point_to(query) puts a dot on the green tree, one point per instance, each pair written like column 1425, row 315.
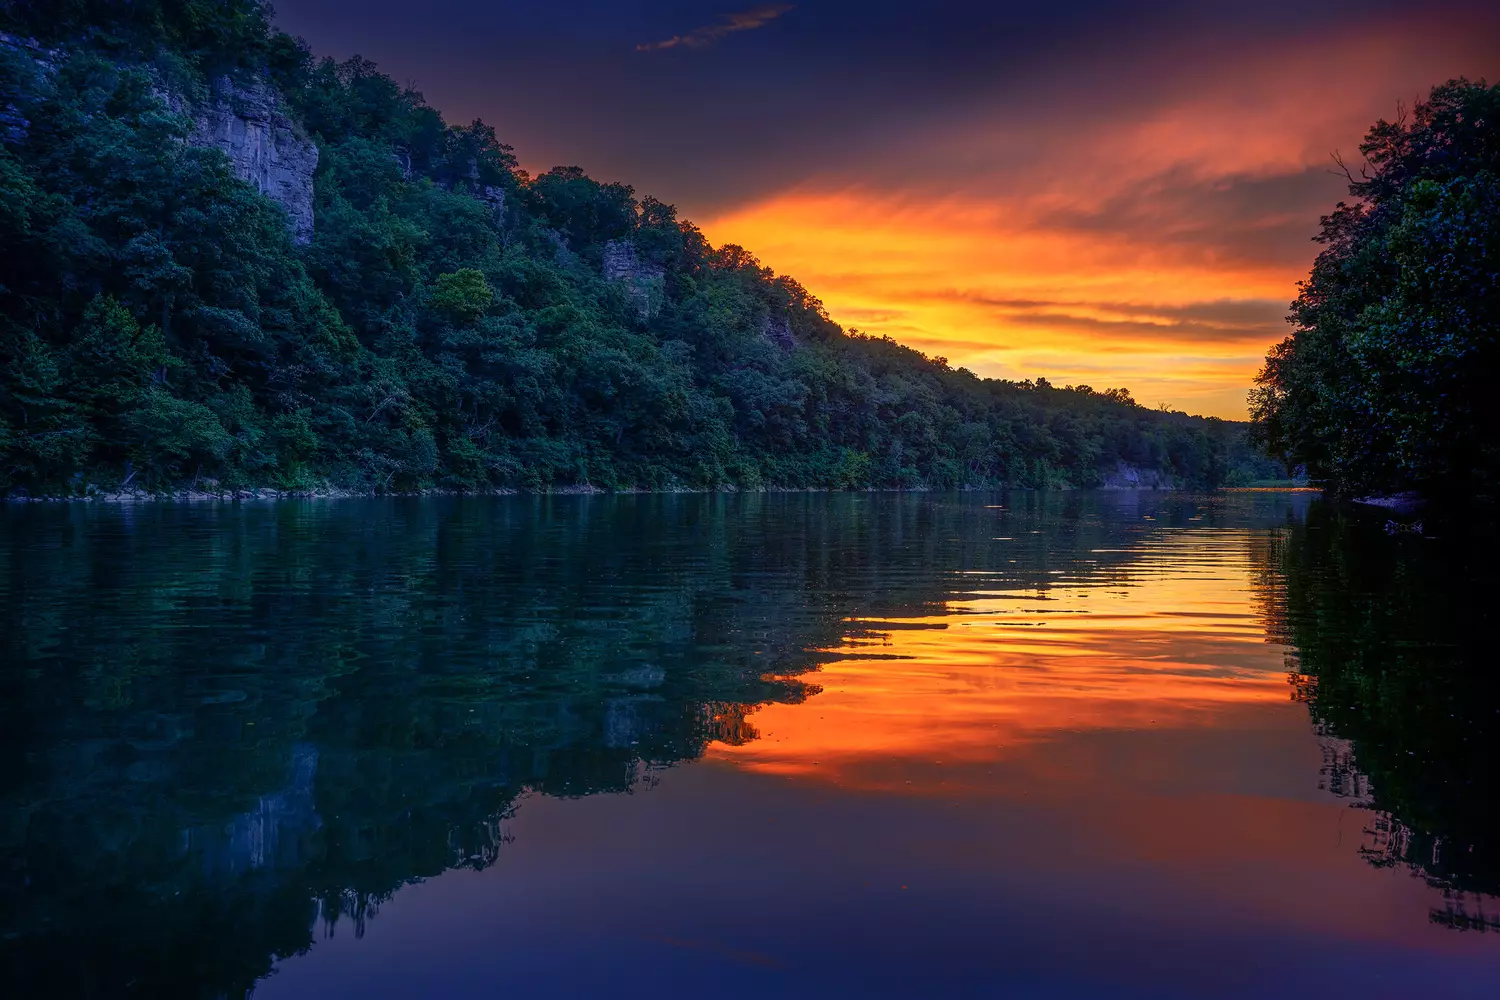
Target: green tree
column 462, row 296
column 1386, row 383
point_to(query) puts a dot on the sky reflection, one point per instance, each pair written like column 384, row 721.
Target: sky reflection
column 1166, row 642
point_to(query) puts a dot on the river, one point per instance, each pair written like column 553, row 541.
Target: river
column 1017, row 744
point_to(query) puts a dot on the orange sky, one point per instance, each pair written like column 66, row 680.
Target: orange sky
column 1156, row 249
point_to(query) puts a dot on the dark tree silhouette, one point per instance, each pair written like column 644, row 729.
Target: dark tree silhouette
column 1388, row 382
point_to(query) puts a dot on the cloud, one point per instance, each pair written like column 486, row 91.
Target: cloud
column 1224, row 321
column 993, row 282
column 745, row 20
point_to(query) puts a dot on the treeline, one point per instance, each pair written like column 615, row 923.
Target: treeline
column 450, row 325
column 1388, row 382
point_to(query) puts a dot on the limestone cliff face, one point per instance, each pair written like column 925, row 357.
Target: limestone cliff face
column 245, row 120
column 644, row 281
column 1129, row 477
column 265, row 147
column 778, row 330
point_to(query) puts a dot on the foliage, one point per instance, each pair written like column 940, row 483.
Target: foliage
column 1386, row 383
column 1393, row 655
column 449, row 326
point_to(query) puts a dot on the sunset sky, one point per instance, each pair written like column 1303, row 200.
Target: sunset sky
column 1117, row 194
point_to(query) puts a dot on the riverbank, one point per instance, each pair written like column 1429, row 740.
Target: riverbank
column 270, row 494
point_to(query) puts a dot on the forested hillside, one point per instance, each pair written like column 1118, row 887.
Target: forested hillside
column 443, row 320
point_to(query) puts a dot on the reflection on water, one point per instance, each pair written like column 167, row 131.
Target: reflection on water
column 1394, row 658
column 941, row 743
column 1167, row 640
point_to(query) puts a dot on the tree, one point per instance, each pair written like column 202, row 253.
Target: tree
column 1387, row 383
column 463, row 296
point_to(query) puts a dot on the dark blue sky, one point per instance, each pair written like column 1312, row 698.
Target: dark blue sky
column 827, row 82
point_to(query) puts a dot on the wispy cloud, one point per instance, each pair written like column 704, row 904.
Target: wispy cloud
column 745, row 20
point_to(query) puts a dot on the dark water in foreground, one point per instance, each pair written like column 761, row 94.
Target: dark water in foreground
column 1029, row 745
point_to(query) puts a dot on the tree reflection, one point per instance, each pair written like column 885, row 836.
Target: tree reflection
column 1394, row 658
column 228, row 730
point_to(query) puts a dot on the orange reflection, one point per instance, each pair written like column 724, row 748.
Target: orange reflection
column 1176, row 644
column 1142, row 720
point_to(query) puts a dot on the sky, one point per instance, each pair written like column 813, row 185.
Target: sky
column 1111, row 194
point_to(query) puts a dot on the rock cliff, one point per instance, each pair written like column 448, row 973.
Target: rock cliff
column 245, row 120
column 778, row 330
column 644, row 281
column 1129, row 477
column 265, row 147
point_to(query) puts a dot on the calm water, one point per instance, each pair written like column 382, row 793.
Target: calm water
column 1012, row 745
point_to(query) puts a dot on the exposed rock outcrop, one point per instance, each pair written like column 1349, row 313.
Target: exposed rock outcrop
column 1128, row 477
column 46, row 59
column 644, row 281
column 244, row 119
column 265, row 147
column 494, row 197
column 14, row 126
column 778, row 330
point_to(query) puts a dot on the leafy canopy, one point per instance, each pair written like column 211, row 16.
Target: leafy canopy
column 1388, row 381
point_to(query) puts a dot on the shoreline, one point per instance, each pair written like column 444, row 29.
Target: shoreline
column 267, row 494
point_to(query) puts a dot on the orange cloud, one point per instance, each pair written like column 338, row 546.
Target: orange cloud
column 1157, row 250
column 997, row 292
column 746, row 20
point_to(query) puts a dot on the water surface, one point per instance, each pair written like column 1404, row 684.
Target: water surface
column 1024, row 744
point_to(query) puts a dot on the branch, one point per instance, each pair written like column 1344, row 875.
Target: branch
column 1343, row 168
column 383, row 404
